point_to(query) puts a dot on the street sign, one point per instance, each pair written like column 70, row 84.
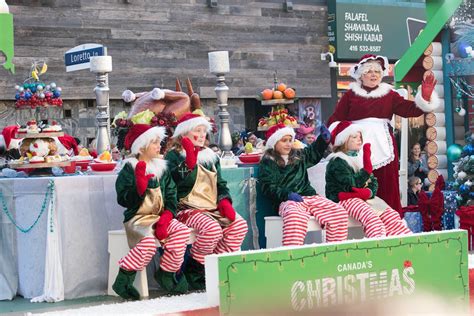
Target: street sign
column 78, row 57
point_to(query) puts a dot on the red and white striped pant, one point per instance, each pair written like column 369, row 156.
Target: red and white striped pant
column 174, row 248
column 296, row 216
column 211, row 237
column 388, row 223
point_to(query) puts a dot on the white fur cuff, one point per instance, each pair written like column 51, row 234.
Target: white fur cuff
column 157, row 94
column 128, row 96
column 426, row 106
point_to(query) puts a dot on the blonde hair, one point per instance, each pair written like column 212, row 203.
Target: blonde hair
column 344, row 147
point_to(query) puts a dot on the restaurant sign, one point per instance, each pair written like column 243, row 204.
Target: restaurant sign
column 355, row 29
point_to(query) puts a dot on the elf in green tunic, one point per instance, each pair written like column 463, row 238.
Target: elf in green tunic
column 204, row 201
column 147, row 191
column 284, row 179
column 350, row 181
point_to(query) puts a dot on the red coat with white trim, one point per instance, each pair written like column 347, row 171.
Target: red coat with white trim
column 382, row 103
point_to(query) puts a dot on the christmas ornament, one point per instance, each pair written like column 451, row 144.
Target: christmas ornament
column 454, row 152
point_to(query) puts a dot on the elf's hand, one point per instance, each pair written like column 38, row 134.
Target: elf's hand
column 191, row 153
column 292, row 196
column 226, row 209
column 427, row 87
column 161, row 227
column 141, row 179
column 366, row 158
column 362, row 193
column 325, row 133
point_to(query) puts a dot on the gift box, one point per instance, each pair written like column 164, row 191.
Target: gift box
column 414, row 221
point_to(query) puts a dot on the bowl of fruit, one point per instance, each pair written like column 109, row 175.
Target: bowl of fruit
column 252, row 158
column 103, row 163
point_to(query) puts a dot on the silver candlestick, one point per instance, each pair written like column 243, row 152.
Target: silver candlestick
column 101, row 66
column 219, row 66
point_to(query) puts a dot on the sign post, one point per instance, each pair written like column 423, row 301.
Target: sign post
column 78, row 57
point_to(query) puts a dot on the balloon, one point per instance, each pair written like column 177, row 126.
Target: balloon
column 462, row 49
column 454, row 152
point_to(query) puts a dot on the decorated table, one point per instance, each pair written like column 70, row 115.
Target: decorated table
column 53, row 232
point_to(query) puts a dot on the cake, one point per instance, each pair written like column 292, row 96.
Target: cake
column 53, row 128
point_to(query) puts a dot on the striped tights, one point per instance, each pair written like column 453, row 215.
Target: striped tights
column 174, row 248
column 388, row 223
column 211, row 237
column 296, row 216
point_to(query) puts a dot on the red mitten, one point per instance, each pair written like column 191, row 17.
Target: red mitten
column 226, row 209
column 427, row 86
column 346, row 195
column 366, row 158
column 191, row 152
column 161, row 227
column 362, row 193
column 141, row 178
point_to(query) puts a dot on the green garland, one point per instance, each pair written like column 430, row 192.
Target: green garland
column 48, row 197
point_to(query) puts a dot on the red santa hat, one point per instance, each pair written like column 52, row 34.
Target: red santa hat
column 356, row 70
column 277, row 132
column 69, row 143
column 340, row 132
column 8, row 133
column 188, row 122
column 141, row 135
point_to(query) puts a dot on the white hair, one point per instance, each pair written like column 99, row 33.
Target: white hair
column 369, row 65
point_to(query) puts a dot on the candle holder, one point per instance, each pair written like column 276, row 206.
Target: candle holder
column 101, row 66
column 219, row 66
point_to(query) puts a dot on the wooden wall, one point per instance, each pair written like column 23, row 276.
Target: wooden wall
column 154, row 41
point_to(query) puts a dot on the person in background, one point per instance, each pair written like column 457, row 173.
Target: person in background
column 237, row 143
column 417, row 163
column 305, row 134
column 414, row 187
column 257, row 143
column 116, row 154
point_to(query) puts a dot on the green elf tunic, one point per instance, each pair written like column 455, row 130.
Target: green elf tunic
column 277, row 182
column 344, row 172
column 201, row 188
column 142, row 212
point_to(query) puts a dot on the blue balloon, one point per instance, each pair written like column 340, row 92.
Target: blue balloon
column 454, row 152
column 17, row 96
column 57, row 94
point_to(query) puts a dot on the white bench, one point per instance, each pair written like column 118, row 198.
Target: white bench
column 274, row 229
column 118, row 248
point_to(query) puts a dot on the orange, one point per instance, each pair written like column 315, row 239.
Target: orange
column 281, row 87
column 289, row 93
column 277, row 94
column 267, row 94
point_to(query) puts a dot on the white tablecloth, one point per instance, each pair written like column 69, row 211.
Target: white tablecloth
column 86, row 208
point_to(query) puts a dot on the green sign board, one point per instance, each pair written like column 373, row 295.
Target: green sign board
column 300, row 279
column 355, row 29
column 6, row 40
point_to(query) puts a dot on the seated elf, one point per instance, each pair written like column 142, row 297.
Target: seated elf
column 283, row 177
column 204, row 201
column 351, row 182
column 147, row 191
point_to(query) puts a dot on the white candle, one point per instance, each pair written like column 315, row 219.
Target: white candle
column 219, row 62
column 101, row 64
